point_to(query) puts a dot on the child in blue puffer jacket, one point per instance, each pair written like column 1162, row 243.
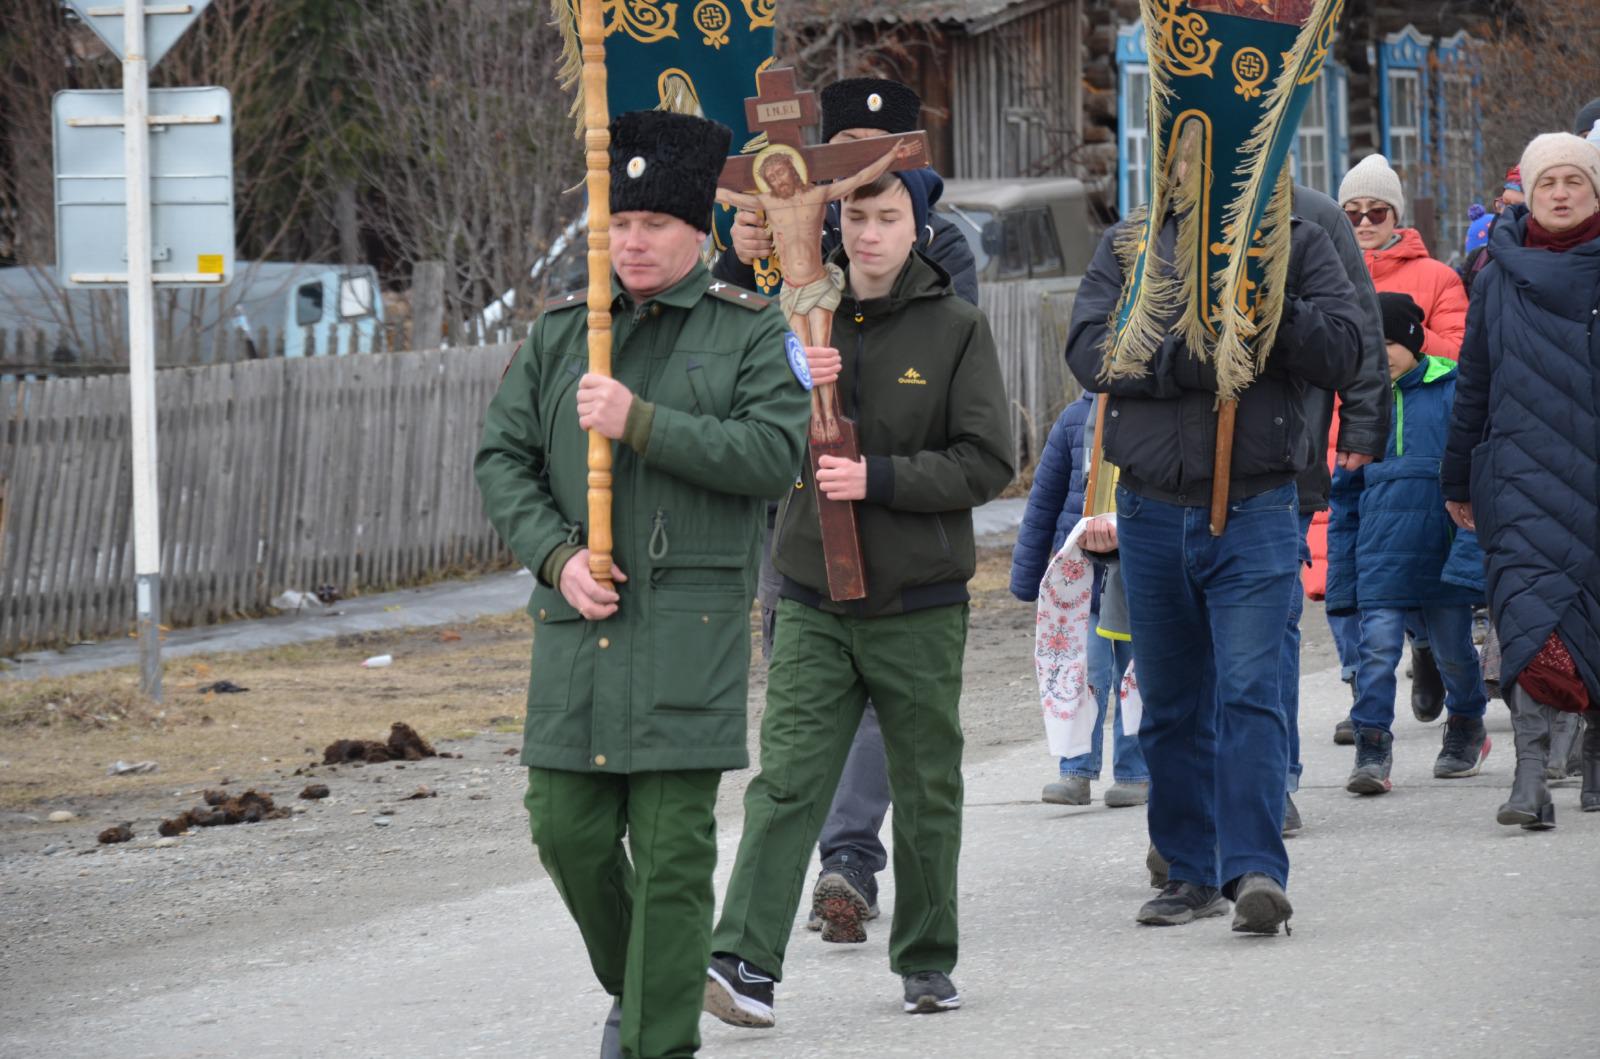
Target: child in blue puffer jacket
column 1055, row 503
column 1392, row 549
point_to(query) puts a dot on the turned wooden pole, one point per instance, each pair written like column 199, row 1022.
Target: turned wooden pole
column 597, row 143
column 1222, row 469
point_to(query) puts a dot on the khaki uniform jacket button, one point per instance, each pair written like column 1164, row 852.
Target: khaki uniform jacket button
column 541, row 614
column 604, row 643
column 600, row 760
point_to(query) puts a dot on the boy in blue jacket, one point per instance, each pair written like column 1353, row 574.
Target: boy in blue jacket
column 1389, row 542
column 1055, row 503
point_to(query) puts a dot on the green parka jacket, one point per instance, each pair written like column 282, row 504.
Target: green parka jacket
column 717, row 428
column 921, row 378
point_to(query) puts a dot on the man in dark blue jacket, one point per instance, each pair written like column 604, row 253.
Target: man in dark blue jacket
column 1209, row 613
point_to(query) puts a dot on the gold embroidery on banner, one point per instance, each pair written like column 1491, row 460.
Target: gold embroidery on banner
column 761, row 12
column 1322, row 45
column 643, row 20
column 1180, row 43
column 1250, row 70
column 677, row 92
column 712, row 18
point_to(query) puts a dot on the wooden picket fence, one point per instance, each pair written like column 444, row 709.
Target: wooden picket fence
column 350, row 471
column 1030, row 321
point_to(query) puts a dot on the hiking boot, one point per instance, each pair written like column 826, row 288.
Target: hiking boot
column 1068, row 790
column 1427, row 686
column 1260, row 906
column 1466, row 744
column 1158, row 867
column 1291, row 817
column 1126, row 795
column 1344, row 733
column 1182, row 902
column 738, row 993
column 611, row 1036
column 930, row 992
column 844, row 898
column 1374, row 758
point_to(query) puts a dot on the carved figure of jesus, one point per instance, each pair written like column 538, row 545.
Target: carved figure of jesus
column 795, row 209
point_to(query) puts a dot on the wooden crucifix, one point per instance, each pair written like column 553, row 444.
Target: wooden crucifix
column 788, row 182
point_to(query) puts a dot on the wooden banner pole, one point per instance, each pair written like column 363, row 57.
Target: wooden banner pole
column 597, row 143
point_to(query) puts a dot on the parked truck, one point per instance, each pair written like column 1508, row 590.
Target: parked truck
column 270, row 308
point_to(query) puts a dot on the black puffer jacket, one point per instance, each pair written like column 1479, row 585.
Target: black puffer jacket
column 1161, row 428
column 942, row 243
column 1364, row 405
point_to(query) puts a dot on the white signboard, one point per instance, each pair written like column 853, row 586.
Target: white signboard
column 163, row 23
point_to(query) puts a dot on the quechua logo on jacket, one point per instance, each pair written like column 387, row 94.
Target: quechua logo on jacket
column 913, row 377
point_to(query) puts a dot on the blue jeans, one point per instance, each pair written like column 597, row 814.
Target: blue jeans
column 1209, row 615
column 1347, row 639
column 1383, row 634
column 1289, row 675
column 1108, row 661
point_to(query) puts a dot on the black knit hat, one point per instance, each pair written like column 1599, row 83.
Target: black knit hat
column 1586, row 117
column 667, row 163
column 869, row 103
column 1402, row 320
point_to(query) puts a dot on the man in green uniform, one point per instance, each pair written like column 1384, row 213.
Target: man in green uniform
column 637, row 699
column 920, row 374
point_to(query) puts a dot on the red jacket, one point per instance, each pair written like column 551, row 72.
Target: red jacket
column 1406, row 268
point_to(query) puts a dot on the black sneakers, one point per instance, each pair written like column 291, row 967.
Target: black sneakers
column 843, row 899
column 930, row 992
column 1182, row 902
column 738, row 993
column 1260, row 906
column 1466, row 744
column 1374, row 758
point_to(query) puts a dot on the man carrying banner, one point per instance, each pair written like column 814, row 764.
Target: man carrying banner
column 637, row 699
column 1204, row 318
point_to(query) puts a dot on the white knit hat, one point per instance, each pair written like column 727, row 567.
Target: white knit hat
column 1559, row 148
column 1373, row 179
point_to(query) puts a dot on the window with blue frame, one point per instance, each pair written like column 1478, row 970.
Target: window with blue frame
column 1459, row 142
column 1319, row 158
column 1404, row 91
column 1133, row 119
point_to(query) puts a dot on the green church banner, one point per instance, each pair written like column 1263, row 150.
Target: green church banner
column 690, row 57
column 1229, row 79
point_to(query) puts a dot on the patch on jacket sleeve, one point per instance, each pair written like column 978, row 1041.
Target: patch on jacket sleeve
column 796, row 353
column 736, row 295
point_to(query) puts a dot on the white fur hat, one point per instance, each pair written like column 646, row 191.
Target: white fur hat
column 1559, row 148
column 1372, row 178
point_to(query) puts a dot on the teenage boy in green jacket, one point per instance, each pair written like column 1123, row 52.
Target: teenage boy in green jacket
column 638, row 695
column 916, row 369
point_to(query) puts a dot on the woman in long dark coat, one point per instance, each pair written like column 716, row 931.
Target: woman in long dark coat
column 1522, row 466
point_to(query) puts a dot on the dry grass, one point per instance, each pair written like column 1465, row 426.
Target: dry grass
column 60, row 735
column 57, row 736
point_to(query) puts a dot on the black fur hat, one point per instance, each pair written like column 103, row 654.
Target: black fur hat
column 667, row 163
column 869, row 103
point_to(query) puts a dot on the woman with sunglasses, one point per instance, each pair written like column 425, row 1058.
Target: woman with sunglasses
column 1398, row 260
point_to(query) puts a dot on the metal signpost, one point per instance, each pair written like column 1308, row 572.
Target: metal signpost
column 166, row 22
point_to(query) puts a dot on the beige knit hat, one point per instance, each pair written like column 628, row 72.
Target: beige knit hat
column 1373, row 179
column 1559, row 148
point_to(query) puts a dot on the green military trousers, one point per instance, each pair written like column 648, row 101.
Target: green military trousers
column 824, row 668
column 646, row 924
